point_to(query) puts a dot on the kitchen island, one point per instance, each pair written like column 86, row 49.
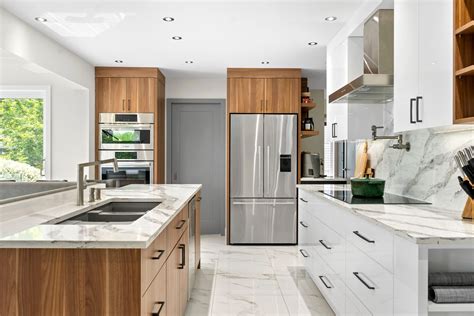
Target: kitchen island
column 374, row 259
column 136, row 268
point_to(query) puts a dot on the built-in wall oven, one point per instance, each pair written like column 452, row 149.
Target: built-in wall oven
column 129, row 138
column 126, row 131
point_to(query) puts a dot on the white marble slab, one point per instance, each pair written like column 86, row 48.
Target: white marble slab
column 422, row 224
column 139, row 234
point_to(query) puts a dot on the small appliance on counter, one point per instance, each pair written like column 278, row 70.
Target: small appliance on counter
column 465, row 161
column 311, row 165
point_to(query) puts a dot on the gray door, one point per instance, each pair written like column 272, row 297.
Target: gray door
column 280, row 142
column 246, row 142
column 198, row 156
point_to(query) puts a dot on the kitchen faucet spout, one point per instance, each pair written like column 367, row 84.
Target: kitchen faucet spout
column 81, row 183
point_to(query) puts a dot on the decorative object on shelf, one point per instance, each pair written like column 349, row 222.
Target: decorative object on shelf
column 306, row 97
column 465, row 162
column 308, row 124
column 451, row 287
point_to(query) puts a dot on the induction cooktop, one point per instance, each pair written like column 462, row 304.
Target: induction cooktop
column 347, row 197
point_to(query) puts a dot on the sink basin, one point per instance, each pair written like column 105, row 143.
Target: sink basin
column 113, row 212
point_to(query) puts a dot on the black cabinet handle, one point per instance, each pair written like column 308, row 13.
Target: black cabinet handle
column 157, row 255
column 356, row 232
column 304, row 253
column 183, row 256
column 157, row 307
column 303, row 200
column 303, row 224
column 321, row 277
column 418, row 109
column 412, row 121
column 335, row 134
column 181, row 224
column 324, row 244
column 362, row 280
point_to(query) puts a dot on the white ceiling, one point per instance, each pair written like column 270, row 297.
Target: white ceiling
column 216, row 34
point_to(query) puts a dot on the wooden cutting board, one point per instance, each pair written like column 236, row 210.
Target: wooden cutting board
column 361, row 161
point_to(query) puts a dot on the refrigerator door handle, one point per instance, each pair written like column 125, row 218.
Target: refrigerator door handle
column 260, row 164
column 266, row 181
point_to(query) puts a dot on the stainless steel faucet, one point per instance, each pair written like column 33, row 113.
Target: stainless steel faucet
column 399, row 138
column 81, row 181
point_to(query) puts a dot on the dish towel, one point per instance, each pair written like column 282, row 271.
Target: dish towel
column 451, row 294
column 451, row 278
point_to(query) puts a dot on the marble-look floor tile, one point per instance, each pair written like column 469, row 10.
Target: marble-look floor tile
column 291, row 285
column 200, row 303
column 249, row 305
column 299, row 305
column 244, row 267
column 236, row 285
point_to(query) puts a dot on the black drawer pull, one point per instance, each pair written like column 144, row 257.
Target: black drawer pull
column 183, row 256
column 303, row 200
column 412, row 121
column 356, row 232
column 157, row 255
column 304, row 253
column 157, row 307
column 321, row 277
column 362, row 280
column 303, row 224
column 324, row 244
column 181, row 224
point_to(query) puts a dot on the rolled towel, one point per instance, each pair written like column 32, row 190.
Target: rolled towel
column 451, row 278
column 451, row 294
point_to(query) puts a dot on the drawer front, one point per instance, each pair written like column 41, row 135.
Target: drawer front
column 305, row 226
column 376, row 242
column 176, row 228
column 327, row 212
column 154, row 300
column 331, row 248
column 369, row 281
column 153, row 259
column 354, row 307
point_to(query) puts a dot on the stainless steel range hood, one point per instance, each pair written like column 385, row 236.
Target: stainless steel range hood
column 376, row 84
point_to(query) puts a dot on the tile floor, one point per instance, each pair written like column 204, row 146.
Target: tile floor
column 245, row 280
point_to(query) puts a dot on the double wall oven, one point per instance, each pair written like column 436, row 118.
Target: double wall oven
column 129, row 137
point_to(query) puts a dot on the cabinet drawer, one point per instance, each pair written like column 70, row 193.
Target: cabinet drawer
column 376, row 242
column 325, row 211
column 152, row 259
column 331, row 248
column 354, row 307
column 369, row 281
column 176, row 228
column 306, row 229
column 154, row 300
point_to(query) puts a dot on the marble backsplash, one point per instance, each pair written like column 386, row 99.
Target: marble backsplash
column 428, row 171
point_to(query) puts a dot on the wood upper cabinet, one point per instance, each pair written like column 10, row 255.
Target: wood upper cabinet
column 282, row 95
column 246, row 95
column 141, row 94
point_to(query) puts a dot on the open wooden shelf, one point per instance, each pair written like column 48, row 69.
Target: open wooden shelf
column 305, row 134
column 445, row 308
column 308, row 106
column 466, row 71
column 467, row 28
column 466, row 120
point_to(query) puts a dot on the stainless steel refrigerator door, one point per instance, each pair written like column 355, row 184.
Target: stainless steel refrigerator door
column 246, row 156
column 263, row 221
column 280, row 158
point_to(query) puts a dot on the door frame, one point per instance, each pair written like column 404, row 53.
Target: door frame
column 168, row 127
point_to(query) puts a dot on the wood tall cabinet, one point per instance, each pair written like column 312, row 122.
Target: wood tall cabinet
column 261, row 91
column 134, row 90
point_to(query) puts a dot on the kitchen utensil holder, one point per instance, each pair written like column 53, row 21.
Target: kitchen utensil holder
column 468, row 212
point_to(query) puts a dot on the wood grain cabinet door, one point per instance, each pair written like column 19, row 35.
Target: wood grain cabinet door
column 141, row 95
column 183, row 245
column 246, row 95
column 177, row 277
column 282, row 95
column 154, row 302
column 111, row 94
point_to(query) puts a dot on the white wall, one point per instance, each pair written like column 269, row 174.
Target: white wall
column 72, row 90
column 196, row 88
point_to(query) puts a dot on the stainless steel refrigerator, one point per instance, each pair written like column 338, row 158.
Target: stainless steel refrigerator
column 263, row 169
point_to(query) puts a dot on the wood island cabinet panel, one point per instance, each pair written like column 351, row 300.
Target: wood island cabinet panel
column 155, row 298
column 246, row 95
column 153, row 259
column 8, row 282
column 177, row 277
column 176, row 228
column 198, row 231
column 282, row 95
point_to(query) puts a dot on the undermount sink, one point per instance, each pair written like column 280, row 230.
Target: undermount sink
column 113, row 212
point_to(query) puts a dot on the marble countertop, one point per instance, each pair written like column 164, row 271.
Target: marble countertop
column 422, row 224
column 139, row 234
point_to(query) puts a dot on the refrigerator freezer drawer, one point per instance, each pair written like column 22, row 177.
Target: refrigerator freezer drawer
column 263, row 221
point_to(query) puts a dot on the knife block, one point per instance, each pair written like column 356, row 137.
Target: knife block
column 468, row 212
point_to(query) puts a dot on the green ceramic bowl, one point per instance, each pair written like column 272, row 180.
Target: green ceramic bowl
column 367, row 187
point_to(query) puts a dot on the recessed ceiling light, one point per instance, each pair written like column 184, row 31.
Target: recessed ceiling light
column 168, row 19
column 312, row 43
column 177, row 38
column 40, row 19
column 331, row 18
column 265, row 62
column 189, row 62
column 118, row 61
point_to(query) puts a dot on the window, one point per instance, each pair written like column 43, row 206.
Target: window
column 24, row 133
